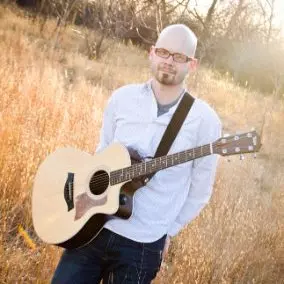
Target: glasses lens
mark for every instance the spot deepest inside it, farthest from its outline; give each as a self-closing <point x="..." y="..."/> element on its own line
<point x="181" y="58"/>
<point x="162" y="52"/>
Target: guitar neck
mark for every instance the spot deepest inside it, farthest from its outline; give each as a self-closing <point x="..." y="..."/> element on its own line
<point x="248" y="142"/>
<point x="160" y="163"/>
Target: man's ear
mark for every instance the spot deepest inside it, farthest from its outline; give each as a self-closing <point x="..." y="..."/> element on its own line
<point x="193" y="64"/>
<point x="151" y="51"/>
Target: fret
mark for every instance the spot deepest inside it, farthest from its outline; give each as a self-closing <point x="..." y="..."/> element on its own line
<point x="175" y="159"/>
<point x="137" y="171"/>
<point x="188" y="156"/>
<point x="204" y="149"/>
<point x="169" y="161"/>
<point x="112" y="180"/>
<point x="196" y="151"/>
<point x="141" y="169"/>
<point x="148" y="167"/>
<point x="131" y="172"/>
<point x="151" y="163"/>
<point x="163" y="162"/>
<point x="160" y="163"/>
<point x="157" y="164"/>
<point x="183" y="159"/>
<point x="115" y="179"/>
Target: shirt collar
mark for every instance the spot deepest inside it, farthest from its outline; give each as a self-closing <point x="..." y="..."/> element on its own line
<point x="147" y="88"/>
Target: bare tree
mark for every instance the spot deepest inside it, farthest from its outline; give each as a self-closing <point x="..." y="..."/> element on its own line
<point x="233" y="21"/>
<point x="268" y="8"/>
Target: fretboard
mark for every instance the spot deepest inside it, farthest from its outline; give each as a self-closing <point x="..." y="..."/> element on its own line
<point x="157" y="164"/>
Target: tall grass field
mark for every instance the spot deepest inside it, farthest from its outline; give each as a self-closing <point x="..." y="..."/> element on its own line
<point x="52" y="95"/>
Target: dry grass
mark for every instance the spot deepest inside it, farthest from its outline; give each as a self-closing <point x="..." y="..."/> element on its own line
<point x="55" y="97"/>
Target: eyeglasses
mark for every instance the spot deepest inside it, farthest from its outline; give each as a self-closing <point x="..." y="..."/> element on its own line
<point x="177" y="57"/>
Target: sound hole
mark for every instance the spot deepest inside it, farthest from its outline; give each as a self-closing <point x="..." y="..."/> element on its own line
<point x="99" y="182"/>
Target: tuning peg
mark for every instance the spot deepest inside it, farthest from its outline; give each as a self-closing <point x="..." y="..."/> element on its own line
<point x="242" y="157"/>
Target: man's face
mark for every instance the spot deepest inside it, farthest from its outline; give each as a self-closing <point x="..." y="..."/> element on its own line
<point x="169" y="71"/>
<point x="171" y="57"/>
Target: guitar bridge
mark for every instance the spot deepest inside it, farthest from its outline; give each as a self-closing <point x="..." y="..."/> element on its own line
<point x="68" y="191"/>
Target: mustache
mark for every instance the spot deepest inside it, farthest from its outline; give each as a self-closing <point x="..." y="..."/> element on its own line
<point x="167" y="68"/>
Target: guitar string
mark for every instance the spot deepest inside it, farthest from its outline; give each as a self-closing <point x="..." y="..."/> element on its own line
<point x="106" y="177"/>
<point x="114" y="174"/>
<point x="135" y="167"/>
<point x="103" y="178"/>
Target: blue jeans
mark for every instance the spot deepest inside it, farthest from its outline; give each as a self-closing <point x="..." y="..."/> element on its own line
<point x="111" y="258"/>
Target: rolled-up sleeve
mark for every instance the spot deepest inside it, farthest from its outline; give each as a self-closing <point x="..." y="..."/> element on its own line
<point x="202" y="176"/>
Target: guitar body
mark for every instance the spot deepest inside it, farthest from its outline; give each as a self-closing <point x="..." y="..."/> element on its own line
<point x="73" y="198"/>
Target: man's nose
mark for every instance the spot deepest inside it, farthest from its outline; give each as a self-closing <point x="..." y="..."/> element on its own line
<point x="170" y="59"/>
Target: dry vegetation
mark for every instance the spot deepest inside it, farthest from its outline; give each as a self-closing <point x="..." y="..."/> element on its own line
<point x="54" y="96"/>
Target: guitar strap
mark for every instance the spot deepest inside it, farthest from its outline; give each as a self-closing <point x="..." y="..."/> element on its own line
<point x="166" y="142"/>
<point x="173" y="127"/>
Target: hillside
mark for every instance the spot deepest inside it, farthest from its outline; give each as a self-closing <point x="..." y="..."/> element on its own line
<point x="52" y="95"/>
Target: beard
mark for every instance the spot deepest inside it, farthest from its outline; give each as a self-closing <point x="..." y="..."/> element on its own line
<point x="167" y="75"/>
<point x="165" y="78"/>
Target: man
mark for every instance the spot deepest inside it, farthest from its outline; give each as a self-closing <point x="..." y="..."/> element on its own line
<point x="130" y="251"/>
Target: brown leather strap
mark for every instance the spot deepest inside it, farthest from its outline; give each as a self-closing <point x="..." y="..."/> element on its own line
<point x="175" y="124"/>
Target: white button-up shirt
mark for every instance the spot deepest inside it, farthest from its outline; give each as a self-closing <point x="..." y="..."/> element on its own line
<point x="176" y="195"/>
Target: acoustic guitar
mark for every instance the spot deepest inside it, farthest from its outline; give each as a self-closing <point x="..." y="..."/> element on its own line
<point x="76" y="193"/>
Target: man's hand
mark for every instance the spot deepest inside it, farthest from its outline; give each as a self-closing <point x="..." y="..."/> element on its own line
<point x="164" y="266"/>
<point x="167" y="245"/>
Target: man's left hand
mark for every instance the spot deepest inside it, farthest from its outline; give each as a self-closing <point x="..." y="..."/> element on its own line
<point x="166" y="247"/>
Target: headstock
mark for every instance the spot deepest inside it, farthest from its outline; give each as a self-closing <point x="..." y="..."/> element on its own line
<point x="248" y="142"/>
